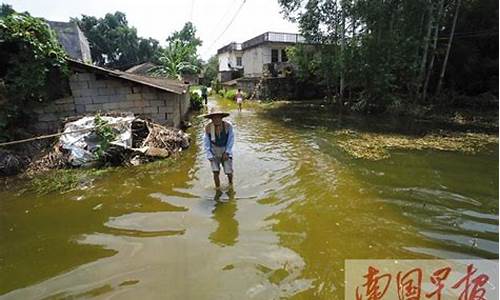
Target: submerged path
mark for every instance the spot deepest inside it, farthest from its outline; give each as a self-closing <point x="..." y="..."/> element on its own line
<point x="300" y="209"/>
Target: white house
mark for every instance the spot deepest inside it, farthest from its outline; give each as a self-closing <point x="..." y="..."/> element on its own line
<point x="230" y="57"/>
<point x="230" y="60"/>
<point x="257" y="55"/>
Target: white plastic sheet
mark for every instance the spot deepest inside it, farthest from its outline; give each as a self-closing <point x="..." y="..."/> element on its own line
<point x="81" y="141"/>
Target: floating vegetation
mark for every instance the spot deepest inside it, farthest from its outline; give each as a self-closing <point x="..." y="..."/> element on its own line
<point x="375" y="146"/>
<point x="65" y="180"/>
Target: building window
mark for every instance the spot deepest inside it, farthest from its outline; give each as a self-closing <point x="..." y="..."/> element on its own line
<point x="274" y="55"/>
<point x="284" y="58"/>
<point x="238" y="61"/>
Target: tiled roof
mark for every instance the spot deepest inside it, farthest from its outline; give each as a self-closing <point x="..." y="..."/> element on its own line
<point x="141" y="69"/>
<point x="164" y="84"/>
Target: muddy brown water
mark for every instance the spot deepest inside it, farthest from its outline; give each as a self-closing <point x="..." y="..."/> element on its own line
<point x="301" y="207"/>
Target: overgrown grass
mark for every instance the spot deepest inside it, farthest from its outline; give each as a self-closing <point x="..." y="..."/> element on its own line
<point x="229" y="104"/>
<point x="65" y="180"/>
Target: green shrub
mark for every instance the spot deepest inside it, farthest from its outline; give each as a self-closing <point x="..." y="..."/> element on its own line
<point x="33" y="65"/>
<point x="196" y="100"/>
<point x="216" y="86"/>
<point x="105" y="133"/>
<point x="231" y="94"/>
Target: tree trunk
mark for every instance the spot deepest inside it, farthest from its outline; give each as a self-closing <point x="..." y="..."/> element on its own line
<point x="342" y="58"/>
<point x="427" y="39"/>
<point x="353" y="39"/>
<point x="433" y="51"/>
<point x="416" y="83"/>
<point x="450" y="40"/>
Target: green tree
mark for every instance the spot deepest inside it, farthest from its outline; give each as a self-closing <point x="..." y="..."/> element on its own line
<point x="186" y="35"/>
<point x="113" y="43"/>
<point x="180" y="56"/>
<point x="32" y="65"/>
<point x="472" y="68"/>
<point x="176" y="59"/>
<point x="393" y="52"/>
<point x="6" y="10"/>
<point x="211" y="69"/>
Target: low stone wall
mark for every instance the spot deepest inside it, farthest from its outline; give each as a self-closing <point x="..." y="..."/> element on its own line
<point x="269" y="88"/>
<point x="93" y="93"/>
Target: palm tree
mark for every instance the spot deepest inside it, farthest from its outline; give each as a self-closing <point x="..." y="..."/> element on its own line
<point x="176" y="59"/>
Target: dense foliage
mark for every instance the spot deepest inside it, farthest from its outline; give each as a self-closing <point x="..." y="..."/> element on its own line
<point x="187" y="35"/>
<point x="115" y="44"/>
<point x="195" y="100"/>
<point x="6" y="10"/>
<point x="180" y="56"/>
<point x="211" y="69"/>
<point x="377" y="54"/>
<point x="176" y="59"/>
<point x="32" y="64"/>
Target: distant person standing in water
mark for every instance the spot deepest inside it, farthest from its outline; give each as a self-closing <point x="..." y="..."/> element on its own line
<point x="218" y="143"/>
<point x="204" y="94"/>
<point x="239" y="99"/>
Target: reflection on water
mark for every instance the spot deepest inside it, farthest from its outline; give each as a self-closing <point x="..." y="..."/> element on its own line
<point x="224" y="213"/>
<point x="301" y="207"/>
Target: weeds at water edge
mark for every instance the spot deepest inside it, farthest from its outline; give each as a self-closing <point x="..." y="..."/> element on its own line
<point x="373" y="146"/>
<point x="64" y="181"/>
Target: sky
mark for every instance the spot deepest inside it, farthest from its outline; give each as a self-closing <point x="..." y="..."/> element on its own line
<point x="157" y="19"/>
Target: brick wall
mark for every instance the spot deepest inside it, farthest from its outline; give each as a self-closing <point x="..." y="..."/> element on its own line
<point x="93" y="93"/>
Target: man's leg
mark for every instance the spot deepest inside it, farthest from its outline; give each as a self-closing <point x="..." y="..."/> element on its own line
<point x="228" y="169"/>
<point x="215" y="165"/>
<point x="217" y="180"/>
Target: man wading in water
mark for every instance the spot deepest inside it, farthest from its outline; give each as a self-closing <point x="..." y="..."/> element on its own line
<point x="218" y="144"/>
<point x="239" y="99"/>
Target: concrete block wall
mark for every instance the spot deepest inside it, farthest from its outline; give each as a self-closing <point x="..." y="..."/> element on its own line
<point x="93" y="93"/>
<point x="48" y="115"/>
<point x="270" y="88"/>
<point x="279" y="88"/>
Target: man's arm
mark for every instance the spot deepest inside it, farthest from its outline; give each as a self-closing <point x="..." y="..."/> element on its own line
<point x="230" y="140"/>
<point x="207" y="145"/>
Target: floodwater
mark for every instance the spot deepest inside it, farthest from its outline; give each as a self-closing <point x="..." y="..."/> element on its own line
<point x="301" y="207"/>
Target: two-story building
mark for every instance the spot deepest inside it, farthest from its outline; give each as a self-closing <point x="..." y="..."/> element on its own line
<point x="260" y="56"/>
<point x="230" y="61"/>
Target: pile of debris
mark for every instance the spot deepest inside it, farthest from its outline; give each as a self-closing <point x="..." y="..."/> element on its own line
<point x="131" y="141"/>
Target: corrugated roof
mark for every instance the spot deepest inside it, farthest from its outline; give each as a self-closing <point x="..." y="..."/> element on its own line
<point x="163" y="84"/>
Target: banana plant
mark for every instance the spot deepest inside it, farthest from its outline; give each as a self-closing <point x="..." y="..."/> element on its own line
<point x="176" y="59"/>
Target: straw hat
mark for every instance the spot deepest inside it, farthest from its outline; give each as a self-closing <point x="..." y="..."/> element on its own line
<point x="214" y="113"/>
